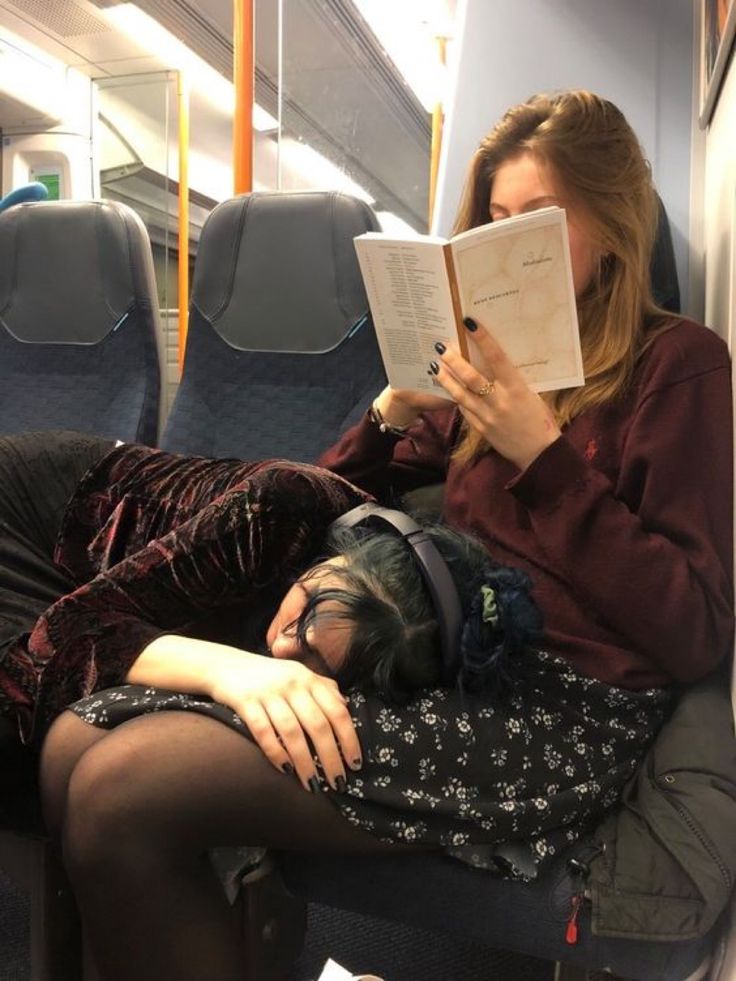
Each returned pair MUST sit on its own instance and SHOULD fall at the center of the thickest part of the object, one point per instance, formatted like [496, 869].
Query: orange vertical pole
[434, 157]
[182, 94]
[243, 80]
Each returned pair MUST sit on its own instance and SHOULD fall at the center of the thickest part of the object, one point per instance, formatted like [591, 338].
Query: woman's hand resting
[284, 704]
[401, 407]
[509, 415]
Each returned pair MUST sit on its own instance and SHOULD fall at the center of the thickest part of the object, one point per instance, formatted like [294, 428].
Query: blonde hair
[595, 159]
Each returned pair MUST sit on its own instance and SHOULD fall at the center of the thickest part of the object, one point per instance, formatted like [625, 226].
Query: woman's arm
[648, 552]
[280, 701]
[388, 465]
[651, 555]
[511, 417]
[237, 549]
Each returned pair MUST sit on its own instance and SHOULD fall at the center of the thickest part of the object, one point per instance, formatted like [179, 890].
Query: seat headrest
[278, 271]
[663, 266]
[69, 270]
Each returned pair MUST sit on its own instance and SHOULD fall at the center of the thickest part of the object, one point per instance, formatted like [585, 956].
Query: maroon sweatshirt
[624, 524]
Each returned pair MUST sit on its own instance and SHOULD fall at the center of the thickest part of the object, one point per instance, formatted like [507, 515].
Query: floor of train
[360, 944]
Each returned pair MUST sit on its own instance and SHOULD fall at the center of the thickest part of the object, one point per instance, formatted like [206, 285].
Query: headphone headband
[431, 565]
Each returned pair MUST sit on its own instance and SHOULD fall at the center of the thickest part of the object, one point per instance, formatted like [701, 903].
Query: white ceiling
[341, 94]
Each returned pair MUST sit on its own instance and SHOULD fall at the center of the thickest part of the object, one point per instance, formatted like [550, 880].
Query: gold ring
[487, 389]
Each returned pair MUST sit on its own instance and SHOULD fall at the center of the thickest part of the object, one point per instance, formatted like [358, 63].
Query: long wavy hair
[599, 171]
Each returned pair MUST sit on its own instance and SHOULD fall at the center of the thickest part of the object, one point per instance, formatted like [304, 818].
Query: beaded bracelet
[376, 417]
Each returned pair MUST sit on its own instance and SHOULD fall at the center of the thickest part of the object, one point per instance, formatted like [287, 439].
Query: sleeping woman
[175, 574]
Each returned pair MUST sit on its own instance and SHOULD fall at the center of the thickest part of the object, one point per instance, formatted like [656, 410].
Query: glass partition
[137, 126]
[137, 149]
[348, 119]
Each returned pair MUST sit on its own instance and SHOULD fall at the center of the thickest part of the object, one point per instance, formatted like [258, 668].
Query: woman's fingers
[261, 728]
[294, 715]
[333, 704]
[495, 360]
[292, 730]
[318, 725]
[496, 400]
[462, 379]
[457, 377]
[280, 735]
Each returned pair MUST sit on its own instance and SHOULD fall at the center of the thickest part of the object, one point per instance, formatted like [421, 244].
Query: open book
[513, 275]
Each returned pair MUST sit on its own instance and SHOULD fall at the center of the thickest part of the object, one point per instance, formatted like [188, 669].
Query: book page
[514, 277]
[409, 296]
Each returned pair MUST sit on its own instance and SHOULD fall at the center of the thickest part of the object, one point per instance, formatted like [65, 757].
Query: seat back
[80, 341]
[663, 268]
[281, 356]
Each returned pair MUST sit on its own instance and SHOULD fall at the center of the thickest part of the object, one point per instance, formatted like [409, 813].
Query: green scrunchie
[489, 613]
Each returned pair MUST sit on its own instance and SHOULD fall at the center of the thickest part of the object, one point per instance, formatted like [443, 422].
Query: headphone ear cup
[432, 566]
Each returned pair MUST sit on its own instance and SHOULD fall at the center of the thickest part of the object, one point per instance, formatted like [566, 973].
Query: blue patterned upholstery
[280, 356]
[79, 334]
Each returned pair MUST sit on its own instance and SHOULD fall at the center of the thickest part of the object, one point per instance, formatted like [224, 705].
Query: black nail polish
[313, 784]
[340, 784]
[434, 367]
[440, 347]
[287, 768]
[357, 763]
[470, 323]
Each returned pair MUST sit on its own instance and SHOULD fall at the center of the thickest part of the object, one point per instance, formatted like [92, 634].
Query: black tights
[136, 808]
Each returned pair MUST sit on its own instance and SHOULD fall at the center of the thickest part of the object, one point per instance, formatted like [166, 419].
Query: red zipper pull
[571, 934]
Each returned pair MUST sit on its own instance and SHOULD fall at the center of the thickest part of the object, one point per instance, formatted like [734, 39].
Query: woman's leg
[143, 806]
[67, 741]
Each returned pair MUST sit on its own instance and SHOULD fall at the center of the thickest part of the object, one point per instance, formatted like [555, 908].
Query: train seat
[281, 356]
[662, 269]
[80, 338]
[79, 349]
[441, 895]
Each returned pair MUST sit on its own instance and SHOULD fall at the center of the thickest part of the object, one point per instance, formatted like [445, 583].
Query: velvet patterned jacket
[161, 543]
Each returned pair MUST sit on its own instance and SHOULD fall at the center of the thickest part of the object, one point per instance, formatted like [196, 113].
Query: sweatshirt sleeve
[387, 465]
[652, 553]
[246, 541]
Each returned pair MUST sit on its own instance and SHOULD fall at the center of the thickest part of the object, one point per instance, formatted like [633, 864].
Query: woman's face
[521, 185]
[327, 638]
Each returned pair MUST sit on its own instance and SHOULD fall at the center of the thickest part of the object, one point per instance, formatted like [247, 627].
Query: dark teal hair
[394, 647]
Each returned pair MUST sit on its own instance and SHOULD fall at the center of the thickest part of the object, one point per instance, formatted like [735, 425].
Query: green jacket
[667, 863]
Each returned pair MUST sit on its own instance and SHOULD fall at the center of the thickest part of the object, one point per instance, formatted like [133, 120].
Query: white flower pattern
[467, 772]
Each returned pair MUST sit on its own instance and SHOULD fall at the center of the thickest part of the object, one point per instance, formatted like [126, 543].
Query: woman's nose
[286, 646]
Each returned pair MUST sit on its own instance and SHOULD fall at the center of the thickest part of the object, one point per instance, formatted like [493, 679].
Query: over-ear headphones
[433, 568]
